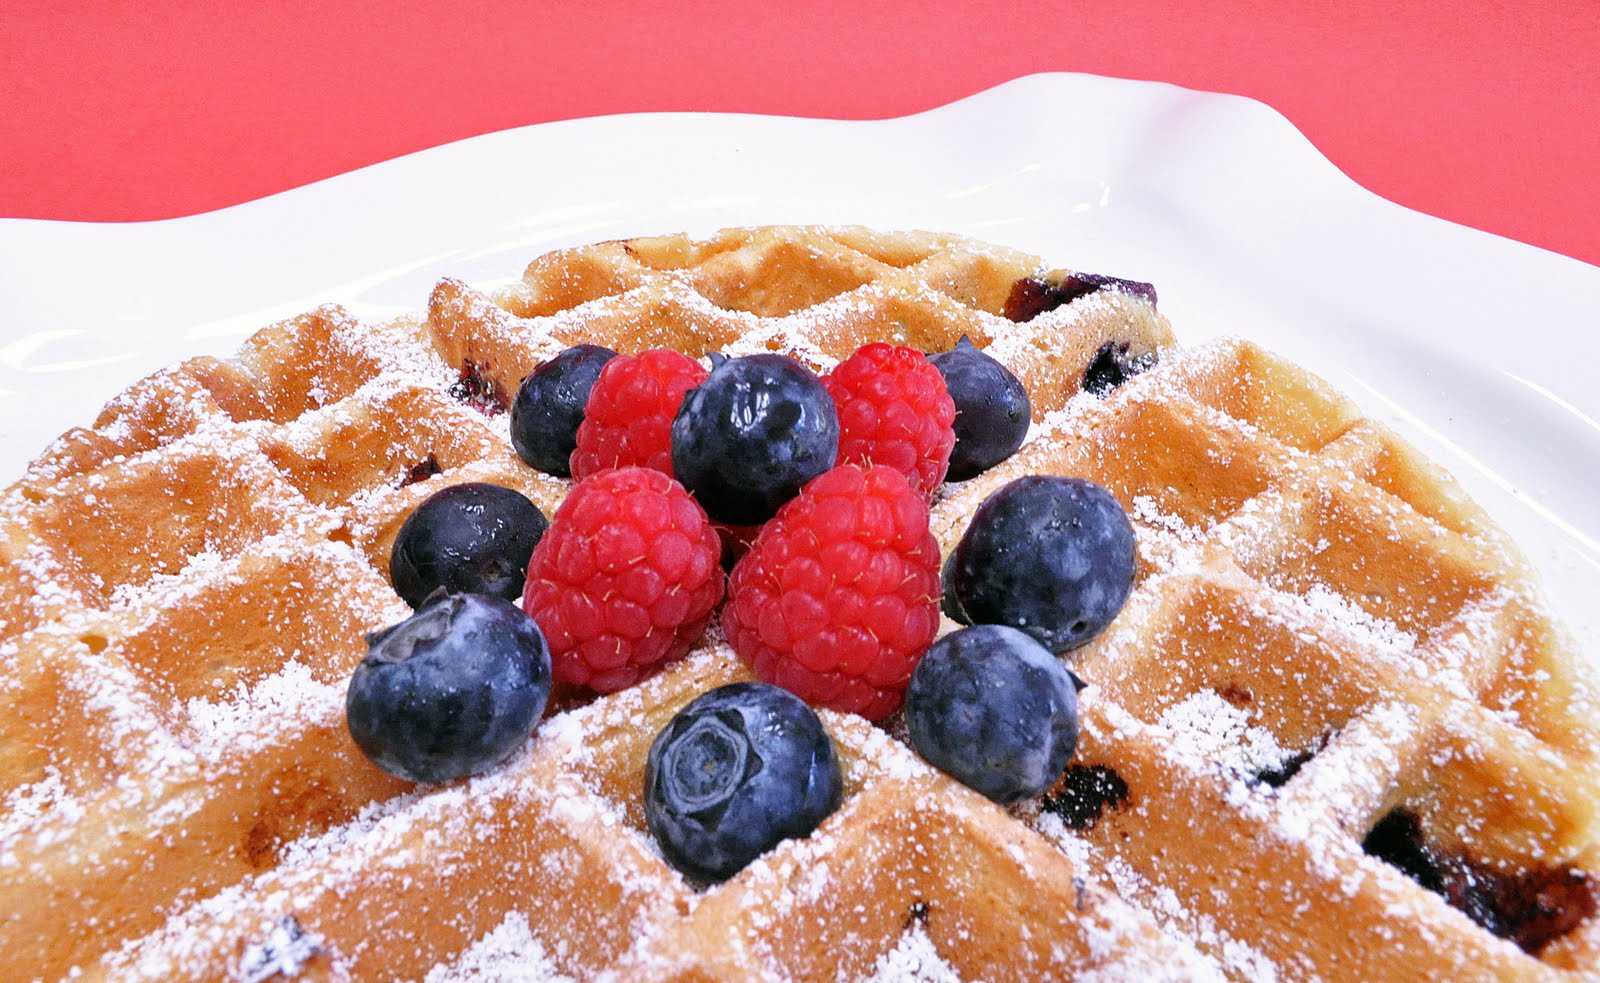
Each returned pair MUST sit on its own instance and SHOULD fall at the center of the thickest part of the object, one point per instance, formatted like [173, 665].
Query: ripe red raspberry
[894, 410]
[839, 596]
[625, 579]
[627, 421]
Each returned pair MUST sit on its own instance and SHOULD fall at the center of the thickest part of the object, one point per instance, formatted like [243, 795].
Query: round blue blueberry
[745, 440]
[1051, 556]
[468, 538]
[995, 710]
[947, 595]
[450, 691]
[737, 771]
[992, 409]
[550, 404]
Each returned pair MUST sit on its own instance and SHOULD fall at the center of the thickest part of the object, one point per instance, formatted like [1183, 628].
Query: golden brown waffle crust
[1325, 634]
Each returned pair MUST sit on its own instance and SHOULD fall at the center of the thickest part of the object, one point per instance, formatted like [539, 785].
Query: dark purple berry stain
[1529, 907]
[1083, 795]
[475, 388]
[1112, 365]
[917, 914]
[1278, 776]
[1032, 296]
[421, 471]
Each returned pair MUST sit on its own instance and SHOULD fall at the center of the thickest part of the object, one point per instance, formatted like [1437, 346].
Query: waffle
[1334, 734]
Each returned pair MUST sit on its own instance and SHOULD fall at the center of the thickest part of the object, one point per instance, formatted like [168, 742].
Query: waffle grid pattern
[1315, 594]
[188, 582]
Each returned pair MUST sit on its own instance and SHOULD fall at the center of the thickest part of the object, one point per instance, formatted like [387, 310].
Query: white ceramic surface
[1480, 350]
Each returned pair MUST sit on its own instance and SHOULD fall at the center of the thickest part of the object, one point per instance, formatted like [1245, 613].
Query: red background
[1485, 113]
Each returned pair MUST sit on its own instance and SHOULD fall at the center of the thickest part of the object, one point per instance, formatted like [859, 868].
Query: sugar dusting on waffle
[1325, 635]
[508, 954]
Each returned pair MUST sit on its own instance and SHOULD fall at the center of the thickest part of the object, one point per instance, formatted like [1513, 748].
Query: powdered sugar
[564, 778]
[1148, 512]
[282, 954]
[1374, 632]
[289, 700]
[507, 954]
[1204, 727]
[913, 960]
[28, 806]
[1120, 952]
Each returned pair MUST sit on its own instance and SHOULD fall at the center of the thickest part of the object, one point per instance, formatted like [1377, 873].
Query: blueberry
[738, 770]
[451, 690]
[469, 538]
[995, 710]
[1051, 556]
[549, 406]
[947, 595]
[992, 409]
[745, 440]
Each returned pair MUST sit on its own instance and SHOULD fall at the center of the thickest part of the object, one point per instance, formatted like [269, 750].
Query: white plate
[1480, 350]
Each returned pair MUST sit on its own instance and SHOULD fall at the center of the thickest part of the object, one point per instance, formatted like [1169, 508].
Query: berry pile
[835, 602]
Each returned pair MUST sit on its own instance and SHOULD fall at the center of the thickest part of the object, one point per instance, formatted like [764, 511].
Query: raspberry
[627, 421]
[894, 410]
[838, 598]
[625, 579]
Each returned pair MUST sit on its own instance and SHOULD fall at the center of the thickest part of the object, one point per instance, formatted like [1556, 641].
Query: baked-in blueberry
[992, 409]
[1113, 365]
[1531, 906]
[1032, 296]
[745, 440]
[1084, 795]
[468, 538]
[995, 710]
[549, 406]
[451, 690]
[1051, 556]
[738, 770]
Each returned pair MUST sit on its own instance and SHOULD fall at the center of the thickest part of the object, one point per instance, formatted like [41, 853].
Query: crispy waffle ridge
[1334, 734]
